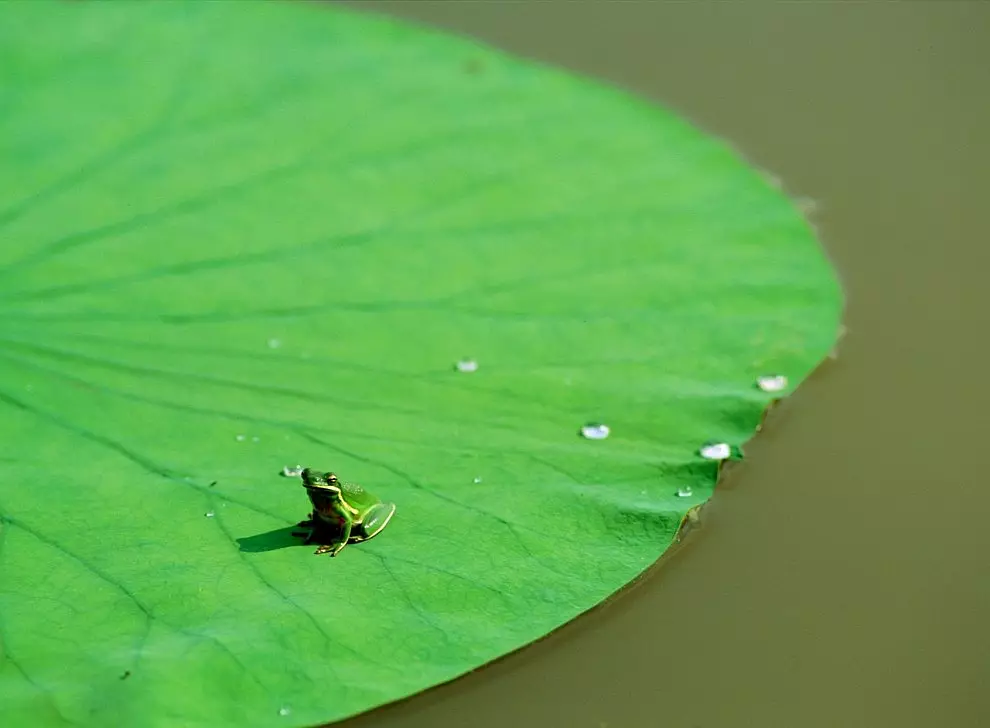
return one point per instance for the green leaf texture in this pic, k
(240, 236)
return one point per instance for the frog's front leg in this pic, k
(331, 548)
(334, 548)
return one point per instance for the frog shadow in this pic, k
(280, 538)
(285, 537)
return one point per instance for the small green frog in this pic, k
(343, 513)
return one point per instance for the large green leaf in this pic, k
(238, 236)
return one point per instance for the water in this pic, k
(772, 382)
(595, 431)
(715, 451)
(467, 365)
(685, 492)
(292, 471)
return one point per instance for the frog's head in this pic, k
(320, 481)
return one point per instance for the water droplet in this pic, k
(595, 431)
(477, 480)
(684, 492)
(716, 451)
(255, 439)
(239, 438)
(772, 382)
(209, 514)
(284, 710)
(292, 471)
(467, 365)
(274, 343)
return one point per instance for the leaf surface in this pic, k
(240, 236)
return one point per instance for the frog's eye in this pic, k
(331, 479)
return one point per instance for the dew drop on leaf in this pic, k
(716, 451)
(292, 471)
(477, 480)
(685, 492)
(240, 438)
(284, 711)
(209, 514)
(595, 431)
(274, 343)
(771, 382)
(467, 365)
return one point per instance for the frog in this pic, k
(342, 513)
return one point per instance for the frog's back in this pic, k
(358, 496)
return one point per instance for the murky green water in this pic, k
(839, 576)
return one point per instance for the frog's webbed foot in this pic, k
(330, 548)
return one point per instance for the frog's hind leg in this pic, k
(375, 522)
(325, 548)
